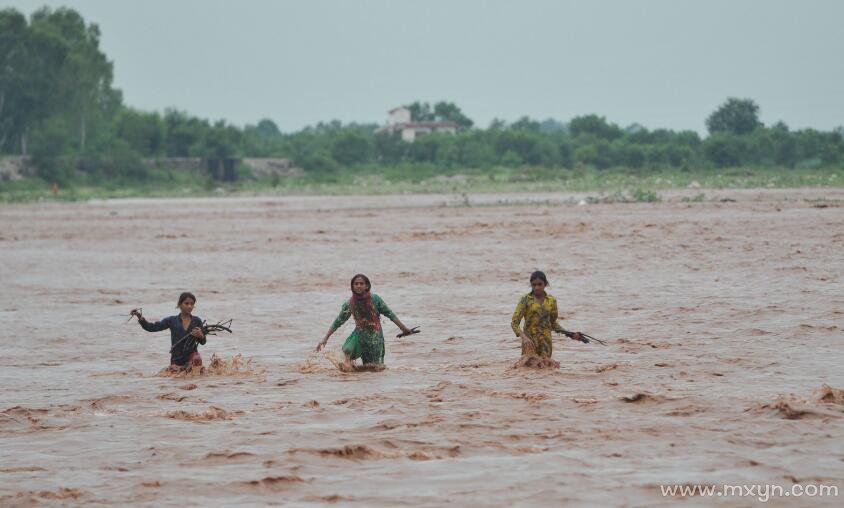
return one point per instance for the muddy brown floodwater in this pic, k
(723, 364)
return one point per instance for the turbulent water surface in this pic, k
(723, 365)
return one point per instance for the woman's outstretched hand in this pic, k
(320, 345)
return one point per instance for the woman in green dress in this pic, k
(539, 310)
(367, 340)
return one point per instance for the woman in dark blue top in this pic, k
(184, 354)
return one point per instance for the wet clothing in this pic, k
(363, 311)
(182, 354)
(540, 321)
(367, 340)
(194, 360)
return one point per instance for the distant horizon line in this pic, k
(212, 120)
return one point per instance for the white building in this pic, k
(400, 121)
(399, 115)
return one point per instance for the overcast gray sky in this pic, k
(662, 63)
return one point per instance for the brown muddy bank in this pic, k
(724, 323)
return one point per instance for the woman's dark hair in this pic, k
(184, 296)
(539, 275)
(365, 279)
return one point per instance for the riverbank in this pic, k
(636, 185)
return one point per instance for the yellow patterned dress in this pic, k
(540, 321)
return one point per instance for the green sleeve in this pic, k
(382, 308)
(345, 313)
(518, 315)
(554, 316)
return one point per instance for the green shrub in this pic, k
(645, 196)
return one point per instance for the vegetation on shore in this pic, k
(58, 106)
(640, 185)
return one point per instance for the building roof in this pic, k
(396, 109)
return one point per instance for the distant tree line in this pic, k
(58, 104)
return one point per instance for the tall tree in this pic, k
(551, 125)
(87, 74)
(13, 53)
(525, 123)
(267, 128)
(596, 126)
(451, 112)
(736, 116)
(29, 90)
(182, 131)
(351, 147)
(443, 111)
(144, 132)
(420, 112)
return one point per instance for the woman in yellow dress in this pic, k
(539, 310)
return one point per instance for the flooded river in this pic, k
(723, 366)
